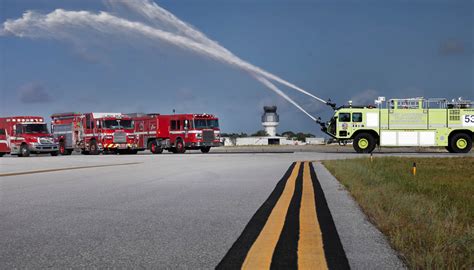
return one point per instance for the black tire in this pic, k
(448, 149)
(155, 148)
(180, 149)
(54, 153)
(460, 143)
(364, 143)
(205, 149)
(62, 149)
(93, 148)
(2, 154)
(24, 151)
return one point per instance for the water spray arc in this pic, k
(155, 14)
(58, 23)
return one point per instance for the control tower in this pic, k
(270, 120)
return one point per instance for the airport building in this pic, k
(270, 121)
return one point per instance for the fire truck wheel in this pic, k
(460, 143)
(93, 149)
(180, 147)
(62, 149)
(155, 148)
(364, 143)
(205, 149)
(24, 151)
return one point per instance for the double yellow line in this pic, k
(310, 244)
(292, 229)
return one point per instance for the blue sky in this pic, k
(335, 49)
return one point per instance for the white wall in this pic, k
(252, 141)
(315, 141)
(264, 141)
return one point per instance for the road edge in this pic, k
(365, 246)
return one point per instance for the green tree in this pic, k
(234, 135)
(260, 133)
(300, 136)
(288, 134)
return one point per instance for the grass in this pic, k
(428, 218)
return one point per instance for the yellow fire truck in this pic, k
(404, 122)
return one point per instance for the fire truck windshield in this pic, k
(33, 128)
(118, 124)
(206, 123)
(332, 126)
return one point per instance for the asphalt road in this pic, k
(156, 211)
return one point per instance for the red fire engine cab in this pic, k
(93, 133)
(176, 132)
(22, 135)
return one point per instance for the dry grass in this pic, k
(428, 218)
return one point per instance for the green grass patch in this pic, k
(429, 217)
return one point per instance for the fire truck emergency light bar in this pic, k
(24, 120)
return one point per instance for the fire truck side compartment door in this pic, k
(372, 119)
(427, 138)
(388, 138)
(408, 138)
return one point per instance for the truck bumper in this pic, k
(202, 144)
(43, 148)
(121, 146)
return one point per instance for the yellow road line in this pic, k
(261, 252)
(66, 169)
(310, 245)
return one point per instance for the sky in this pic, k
(342, 50)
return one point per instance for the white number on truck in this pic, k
(468, 120)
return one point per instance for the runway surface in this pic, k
(177, 211)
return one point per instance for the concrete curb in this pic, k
(365, 246)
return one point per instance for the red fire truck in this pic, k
(176, 132)
(93, 133)
(23, 135)
(4, 145)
